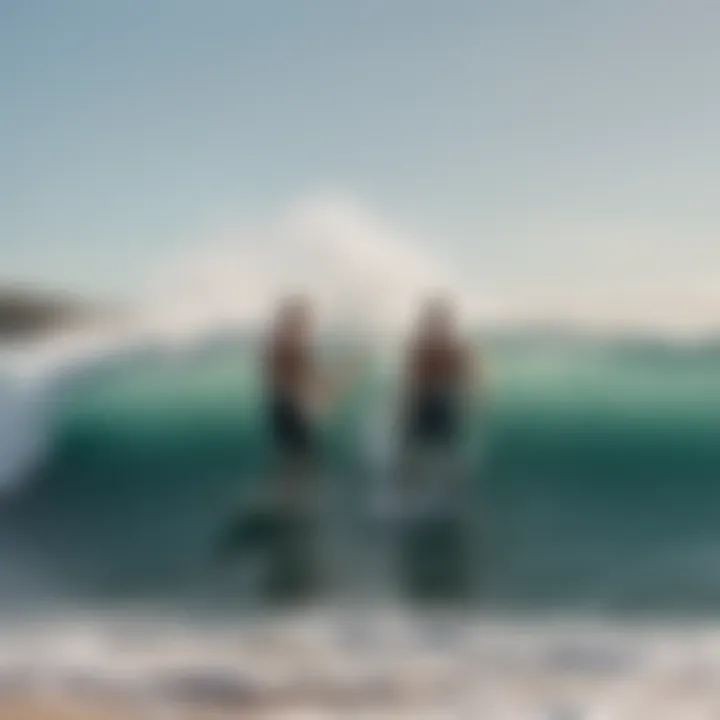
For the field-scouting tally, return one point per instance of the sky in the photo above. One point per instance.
(559, 157)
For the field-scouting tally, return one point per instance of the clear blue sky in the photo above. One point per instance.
(575, 139)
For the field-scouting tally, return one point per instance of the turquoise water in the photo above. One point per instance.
(597, 473)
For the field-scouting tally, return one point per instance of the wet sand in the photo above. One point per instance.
(491, 695)
(70, 707)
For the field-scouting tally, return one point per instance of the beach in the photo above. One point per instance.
(307, 667)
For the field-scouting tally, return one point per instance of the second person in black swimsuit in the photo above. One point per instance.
(437, 380)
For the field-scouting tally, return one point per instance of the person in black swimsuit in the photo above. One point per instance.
(290, 377)
(434, 556)
(275, 522)
(437, 379)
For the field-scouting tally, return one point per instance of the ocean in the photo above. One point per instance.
(595, 466)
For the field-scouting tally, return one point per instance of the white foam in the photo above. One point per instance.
(34, 377)
(501, 669)
(23, 430)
